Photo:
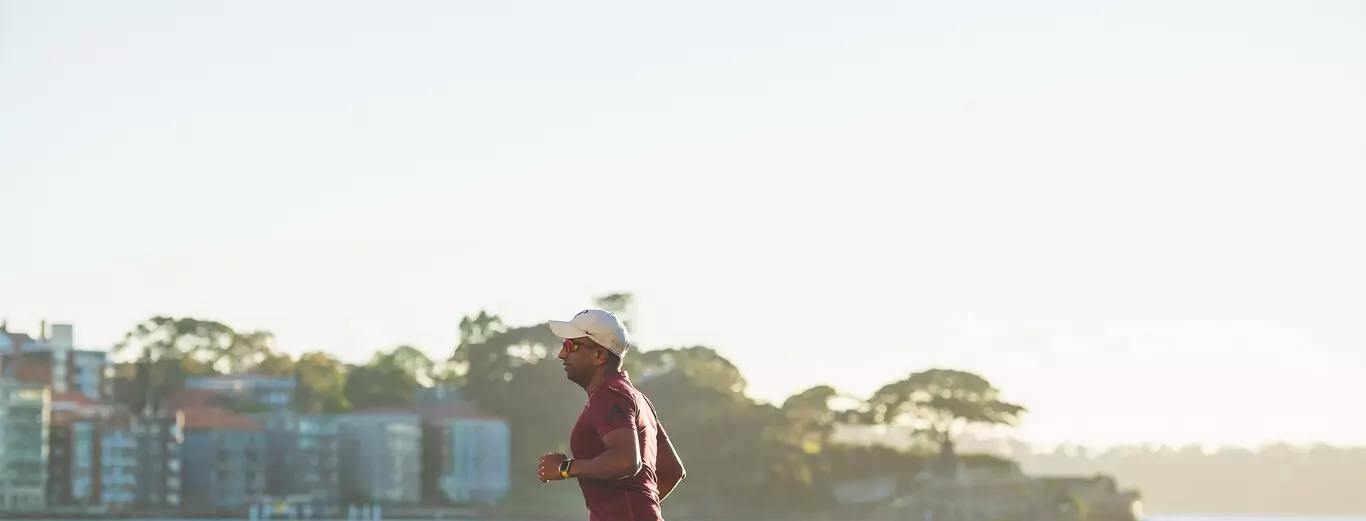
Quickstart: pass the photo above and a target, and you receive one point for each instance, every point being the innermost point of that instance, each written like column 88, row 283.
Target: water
column 1245, row 517
column 1238, row 517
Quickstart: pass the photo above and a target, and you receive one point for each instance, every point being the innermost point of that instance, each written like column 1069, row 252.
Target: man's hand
column 549, row 469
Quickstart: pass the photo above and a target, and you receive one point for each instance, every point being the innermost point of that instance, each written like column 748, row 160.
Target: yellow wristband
column 565, row 473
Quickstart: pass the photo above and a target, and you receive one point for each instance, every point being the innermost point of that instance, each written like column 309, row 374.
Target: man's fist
column 549, row 469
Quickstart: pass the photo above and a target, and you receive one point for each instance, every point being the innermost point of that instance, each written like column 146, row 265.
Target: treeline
column 746, row 456
column 1317, row 480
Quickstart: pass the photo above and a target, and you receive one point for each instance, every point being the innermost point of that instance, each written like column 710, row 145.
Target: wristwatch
column 564, row 468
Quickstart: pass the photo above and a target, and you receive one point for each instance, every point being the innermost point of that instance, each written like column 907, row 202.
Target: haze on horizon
column 1141, row 221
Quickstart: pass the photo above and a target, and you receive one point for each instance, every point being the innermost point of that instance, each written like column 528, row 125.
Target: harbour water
column 1204, row 517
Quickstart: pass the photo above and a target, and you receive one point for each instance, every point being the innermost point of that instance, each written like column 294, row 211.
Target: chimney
column 63, row 336
column 42, row 330
column 4, row 326
column 16, row 353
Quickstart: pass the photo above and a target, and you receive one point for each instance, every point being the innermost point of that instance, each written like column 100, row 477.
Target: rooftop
column 451, row 412
column 187, row 398
column 217, row 419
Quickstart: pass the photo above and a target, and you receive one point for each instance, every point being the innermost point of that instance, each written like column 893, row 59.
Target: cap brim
column 566, row 330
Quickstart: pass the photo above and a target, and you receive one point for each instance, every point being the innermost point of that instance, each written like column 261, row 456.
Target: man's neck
column 598, row 379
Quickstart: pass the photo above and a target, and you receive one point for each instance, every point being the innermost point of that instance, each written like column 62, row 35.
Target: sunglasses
column 571, row 346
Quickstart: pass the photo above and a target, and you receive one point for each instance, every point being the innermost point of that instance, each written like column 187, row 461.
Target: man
column 622, row 458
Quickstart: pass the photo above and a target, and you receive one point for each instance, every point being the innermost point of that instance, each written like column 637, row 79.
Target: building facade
column 25, row 413
column 272, row 392
column 160, row 450
column 116, row 483
column 54, row 360
column 223, row 461
column 381, row 457
column 302, row 452
column 466, row 455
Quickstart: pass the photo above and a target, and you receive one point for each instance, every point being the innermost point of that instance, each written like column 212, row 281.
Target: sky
column 1142, row 221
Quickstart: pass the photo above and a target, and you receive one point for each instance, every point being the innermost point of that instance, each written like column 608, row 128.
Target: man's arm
column 670, row 471
column 620, row 460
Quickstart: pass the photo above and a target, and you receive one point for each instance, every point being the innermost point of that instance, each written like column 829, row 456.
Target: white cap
column 598, row 325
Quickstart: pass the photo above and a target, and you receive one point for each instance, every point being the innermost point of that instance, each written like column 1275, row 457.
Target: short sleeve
column 611, row 411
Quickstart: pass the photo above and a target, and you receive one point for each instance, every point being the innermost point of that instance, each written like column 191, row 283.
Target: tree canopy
column 752, row 453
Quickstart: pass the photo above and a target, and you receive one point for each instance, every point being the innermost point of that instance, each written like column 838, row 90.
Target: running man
column 622, row 458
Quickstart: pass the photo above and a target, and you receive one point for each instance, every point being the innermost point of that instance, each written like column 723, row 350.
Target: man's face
column 581, row 357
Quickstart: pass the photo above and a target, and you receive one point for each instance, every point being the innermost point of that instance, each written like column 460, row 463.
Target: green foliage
column 388, row 380
column 320, row 381
column 621, row 304
column 750, row 456
column 943, row 403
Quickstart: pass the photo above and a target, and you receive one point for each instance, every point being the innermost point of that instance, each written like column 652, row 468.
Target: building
column 55, row 361
column 302, row 452
column 1100, row 496
column 223, row 461
column 381, row 456
column 246, row 390
column 71, row 460
column 115, row 443
column 160, row 453
column 972, row 488
column 115, row 462
column 466, row 455
column 25, row 410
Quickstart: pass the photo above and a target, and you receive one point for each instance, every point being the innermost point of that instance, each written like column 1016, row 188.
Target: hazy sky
column 1144, row 221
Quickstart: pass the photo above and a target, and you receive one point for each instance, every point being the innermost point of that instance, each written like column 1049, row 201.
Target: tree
column 700, row 366
column 243, row 351
column 741, row 446
column 513, row 373
column 478, row 328
column 487, row 366
column 168, row 350
column 943, row 403
column 320, row 384
column 474, row 331
column 811, row 419
column 275, row 364
column 388, row 380
column 620, row 304
column 166, row 337
column 411, row 360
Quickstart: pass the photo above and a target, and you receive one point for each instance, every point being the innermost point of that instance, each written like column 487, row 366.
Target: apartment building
column 116, row 462
column 302, row 453
column 115, row 482
column 223, row 460
column 273, row 392
column 25, row 410
column 54, row 360
column 160, row 452
column 466, row 455
column 381, row 456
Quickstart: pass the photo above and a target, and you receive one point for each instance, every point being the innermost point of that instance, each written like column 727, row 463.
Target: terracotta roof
column 37, row 373
column 216, row 419
column 450, row 412
column 386, row 410
column 185, row 398
column 75, row 397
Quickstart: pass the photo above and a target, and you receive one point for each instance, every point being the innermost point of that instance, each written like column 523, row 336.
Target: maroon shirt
column 616, row 404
